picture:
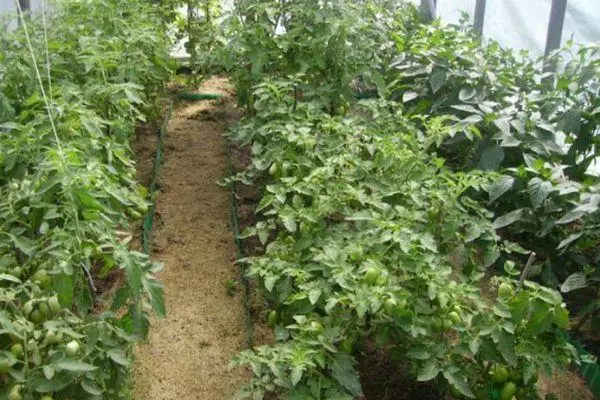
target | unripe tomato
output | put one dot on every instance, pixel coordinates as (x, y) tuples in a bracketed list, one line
[(371, 275), (15, 393), (356, 254), (508, 391), (17, 350), (36, 317), (454, 317), (389, 306), (42, 279), (272, 319), (143, 208), (27, 308), (53, 338), (47, 397), (72, 348), (437, 325), (13, 186), (274, 169), (134, 214), (381, 279), (505, 290), (54, 304), (499, 374), (5, 366), (316, 326), (347, 346), (45, 310)]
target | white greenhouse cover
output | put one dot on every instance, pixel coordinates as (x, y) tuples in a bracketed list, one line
[(523, 24), (520, 24)]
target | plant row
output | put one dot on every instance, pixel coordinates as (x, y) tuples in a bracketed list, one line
[(73, 86), (436, 220)]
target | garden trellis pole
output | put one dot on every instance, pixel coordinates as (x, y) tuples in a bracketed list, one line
[(555, 28), (479, 16)]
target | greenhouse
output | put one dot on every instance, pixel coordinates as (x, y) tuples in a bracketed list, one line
[(299, 199)]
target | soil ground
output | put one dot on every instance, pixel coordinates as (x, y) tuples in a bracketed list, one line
[(188, 353)]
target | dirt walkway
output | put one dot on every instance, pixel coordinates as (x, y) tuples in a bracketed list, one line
[(187, 355)]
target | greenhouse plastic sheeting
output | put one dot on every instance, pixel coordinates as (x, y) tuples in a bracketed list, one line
[(523, 25), (520, 24)]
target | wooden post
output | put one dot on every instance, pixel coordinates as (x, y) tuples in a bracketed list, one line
[(428, 9), (25, 5), (24, 8), (479, 16), (555, 28)]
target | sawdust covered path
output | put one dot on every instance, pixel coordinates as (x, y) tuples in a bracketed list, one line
[(187, 354)]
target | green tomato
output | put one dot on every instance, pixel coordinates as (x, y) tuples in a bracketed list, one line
[(381, 280), (135, 215), (272, 319), (47, 397), (36, 317), (13, 186), (499, 374), (372, 275), (347, 346), (274, 170), (42, 279), (505, 290), (52, 337), (54, 304), (45, 310), (72, 348), (5, 366), (508, 391), (17, 350), (356, 254), (27, 308), (316, 326), (454, 317), (437, 325), (389, 306), (143, 208), (15, 393)]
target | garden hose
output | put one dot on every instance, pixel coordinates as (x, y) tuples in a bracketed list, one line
[(235, 226), (589, 368), (158, 161)]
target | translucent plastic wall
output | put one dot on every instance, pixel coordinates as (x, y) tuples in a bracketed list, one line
[(523, 24), (520, 24)]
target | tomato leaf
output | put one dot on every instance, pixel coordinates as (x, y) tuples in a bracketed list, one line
[(508, 219), (575, 281), (344, 372)]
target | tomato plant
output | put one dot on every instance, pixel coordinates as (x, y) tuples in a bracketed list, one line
[(492, 110), (376, 239), (67, 191)]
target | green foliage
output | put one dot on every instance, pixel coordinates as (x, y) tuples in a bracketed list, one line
[(202, 26), (491, 110), (375, 239), (67, 192), (324, 45), (380, 219)]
